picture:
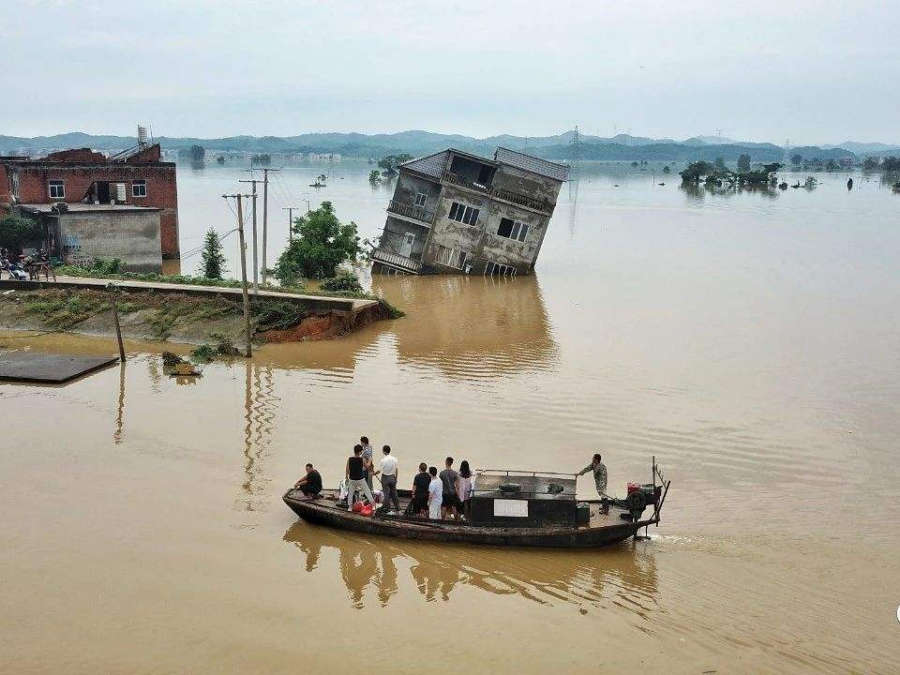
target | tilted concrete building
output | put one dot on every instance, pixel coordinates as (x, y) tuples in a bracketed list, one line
[(454, 212)]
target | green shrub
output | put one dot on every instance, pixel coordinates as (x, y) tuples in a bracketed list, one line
[(345, 282), (204, 353)]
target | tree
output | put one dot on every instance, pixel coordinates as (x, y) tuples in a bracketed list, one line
[(666, 169), (198, 154), (16, 231), (890, 164), (391, 162), (220, 160), (743, 163), (321, 243), (212, 258), (871, 164), (374, 176), (796, 159), (831, 165), (720, 163)]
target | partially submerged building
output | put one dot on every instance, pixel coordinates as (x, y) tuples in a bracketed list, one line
[(124, 206), (454, 212)]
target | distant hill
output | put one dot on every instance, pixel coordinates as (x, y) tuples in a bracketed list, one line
[(867, 148), (622, 147)]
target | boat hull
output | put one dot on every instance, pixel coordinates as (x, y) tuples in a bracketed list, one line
[(323, 512)]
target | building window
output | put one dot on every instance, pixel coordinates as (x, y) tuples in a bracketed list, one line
[(463, 214), (14, 180), (451, 257), (496, 269), (513, 229), (421, 198), (57, 189), (139, 188)]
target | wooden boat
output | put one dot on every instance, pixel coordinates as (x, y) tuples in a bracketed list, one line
[(507, 509)]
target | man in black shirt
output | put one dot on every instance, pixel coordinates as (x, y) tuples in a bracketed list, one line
[(420, 489), (311, 484), (356, 478)]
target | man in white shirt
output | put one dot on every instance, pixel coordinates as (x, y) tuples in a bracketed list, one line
[(389, 477), (435, 494)]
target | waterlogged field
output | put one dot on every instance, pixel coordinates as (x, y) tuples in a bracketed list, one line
[(749, 341)]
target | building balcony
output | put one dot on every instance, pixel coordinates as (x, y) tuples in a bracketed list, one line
[(461, 181), (522, 200), (411, 211), (397, 260)]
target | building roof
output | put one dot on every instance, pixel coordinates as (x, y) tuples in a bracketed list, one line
[(536, 165), (430, 165), (434, 165), (84, 208)]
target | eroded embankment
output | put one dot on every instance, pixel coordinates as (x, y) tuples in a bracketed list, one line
[(176, 317)]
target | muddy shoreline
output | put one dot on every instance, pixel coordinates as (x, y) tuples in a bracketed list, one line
[(176, 318)]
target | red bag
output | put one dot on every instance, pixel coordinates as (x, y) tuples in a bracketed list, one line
[(358, 507), (366, 510)]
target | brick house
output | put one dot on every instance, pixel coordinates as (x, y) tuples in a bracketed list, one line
[(135, 178)]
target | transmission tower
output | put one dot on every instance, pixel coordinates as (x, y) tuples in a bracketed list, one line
[(576, 152)]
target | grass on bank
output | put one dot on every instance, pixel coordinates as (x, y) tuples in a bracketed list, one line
[(344, 285)]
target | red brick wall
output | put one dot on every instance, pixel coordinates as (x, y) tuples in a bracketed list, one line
[(162, 190)]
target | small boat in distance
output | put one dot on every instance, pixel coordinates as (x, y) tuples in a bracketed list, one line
[(508, 508)]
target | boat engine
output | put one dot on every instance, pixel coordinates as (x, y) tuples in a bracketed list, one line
[(640, 496)]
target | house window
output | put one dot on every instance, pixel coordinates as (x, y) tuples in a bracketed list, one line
[(496, 269), (451, 257), (513, 229), (463, 214), (57, 189), (139, 188), (421, 198)]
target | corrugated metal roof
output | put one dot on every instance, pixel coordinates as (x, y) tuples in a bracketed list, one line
[(430, 165), (535, 164)]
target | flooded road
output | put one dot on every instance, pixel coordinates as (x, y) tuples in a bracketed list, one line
[(748, 341)]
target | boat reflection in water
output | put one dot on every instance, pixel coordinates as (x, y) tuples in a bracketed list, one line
[(377, 569)]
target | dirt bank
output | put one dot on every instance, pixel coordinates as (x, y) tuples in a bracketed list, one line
[(174, 317)]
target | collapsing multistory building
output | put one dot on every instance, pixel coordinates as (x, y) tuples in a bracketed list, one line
[(454, 212)]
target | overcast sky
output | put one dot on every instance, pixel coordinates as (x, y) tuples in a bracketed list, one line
[(813, 72)]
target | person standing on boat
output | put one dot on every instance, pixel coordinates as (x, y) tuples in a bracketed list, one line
[(448, 500), (389, 476), (599, 469), (465, 486), (368, 460), (420, 489), (356, 478), (435, 494)]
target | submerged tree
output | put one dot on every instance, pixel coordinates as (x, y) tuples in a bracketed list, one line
[(743, 163), (391, 162), (321, 243), (212, 258)]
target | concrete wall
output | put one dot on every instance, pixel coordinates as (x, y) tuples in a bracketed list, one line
[(395, 230), (408, 185), (526, 183), (132, 236), (482, 243)]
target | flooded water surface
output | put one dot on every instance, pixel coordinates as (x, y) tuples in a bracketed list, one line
[(748, 341)]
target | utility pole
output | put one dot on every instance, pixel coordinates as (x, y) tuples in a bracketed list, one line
[(113, 289), (255, 256), (240, 216), (290, 210), (265, 220)]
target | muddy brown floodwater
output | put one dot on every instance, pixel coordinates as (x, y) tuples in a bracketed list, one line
[(750, 342)]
